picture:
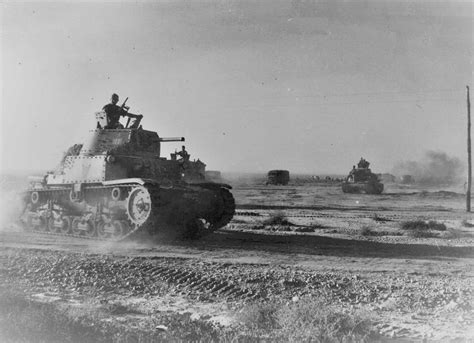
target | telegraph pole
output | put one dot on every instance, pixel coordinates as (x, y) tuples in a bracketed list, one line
[(469, 166)]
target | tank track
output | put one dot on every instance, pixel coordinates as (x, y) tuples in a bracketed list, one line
[(228, 211), (362, 187), (53, 202), (116, 212), (198, 227)]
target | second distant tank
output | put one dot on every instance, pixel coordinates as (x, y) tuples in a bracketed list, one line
[(362, 180), (278, 177)]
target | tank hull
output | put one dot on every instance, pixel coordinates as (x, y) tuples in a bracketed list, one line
[(362, 187)]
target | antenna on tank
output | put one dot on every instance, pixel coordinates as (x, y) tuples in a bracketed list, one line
[(469, 161)]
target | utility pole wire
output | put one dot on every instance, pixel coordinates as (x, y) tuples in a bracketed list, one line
[(379, 93)]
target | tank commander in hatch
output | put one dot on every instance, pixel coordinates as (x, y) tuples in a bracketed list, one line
[(114, 112), (183, 154), (363, 163)]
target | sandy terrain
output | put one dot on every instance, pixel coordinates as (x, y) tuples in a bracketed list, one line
[(345, 248)]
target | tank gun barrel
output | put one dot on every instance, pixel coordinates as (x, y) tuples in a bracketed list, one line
[(171, 139)]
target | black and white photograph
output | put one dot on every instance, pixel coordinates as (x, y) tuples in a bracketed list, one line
[(236, 171)]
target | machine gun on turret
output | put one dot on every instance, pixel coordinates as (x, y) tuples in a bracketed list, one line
[(138, 117), (123, 107)]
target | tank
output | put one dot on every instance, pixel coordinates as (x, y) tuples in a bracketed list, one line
[(362, 180), (278, 177), (407, 179), (116, 184)]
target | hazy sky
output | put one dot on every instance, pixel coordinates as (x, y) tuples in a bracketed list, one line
[(253, 85)]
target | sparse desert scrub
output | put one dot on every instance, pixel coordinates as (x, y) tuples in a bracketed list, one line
[(423, 229), (277, 218), (367, 231), (452, 233), (312, 320), (465, 223), (436, 226), (377, 218), (306, 320), (423, 225), (304, 229), (260, 316), (24, 320)]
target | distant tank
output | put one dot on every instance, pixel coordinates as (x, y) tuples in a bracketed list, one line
[(116, 183), (386, 177), (407, 179), (278, 177), (362, 180)]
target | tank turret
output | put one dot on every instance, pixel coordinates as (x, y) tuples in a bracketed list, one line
[(117, 183)]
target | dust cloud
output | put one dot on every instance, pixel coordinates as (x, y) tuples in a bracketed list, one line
[(434, 169), (244, 179), (11, 205)]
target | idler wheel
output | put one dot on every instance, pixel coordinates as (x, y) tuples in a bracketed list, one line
[(139, 205), (103, 229), (83, 227)]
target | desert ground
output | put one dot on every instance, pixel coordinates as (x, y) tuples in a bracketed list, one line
[(297, 262)]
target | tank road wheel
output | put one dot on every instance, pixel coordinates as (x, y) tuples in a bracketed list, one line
[(114, 229), (103, 229), (75, 226), (139, 205), (91, 229), (59, 225), (51, 227), (81, 226), (120, 228)]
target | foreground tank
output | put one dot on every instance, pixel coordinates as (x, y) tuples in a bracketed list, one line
[(116, 184), (362, 180)]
